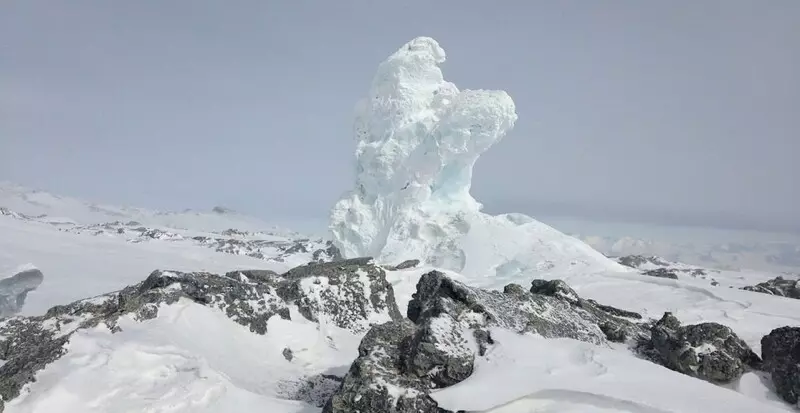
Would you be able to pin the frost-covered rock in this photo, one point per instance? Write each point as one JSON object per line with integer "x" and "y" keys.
{"x": 417, "y": 139}
{"x": 450, "y": 325}
{"x": 709, "y": 351}
{"x": 352, "y": 295}
{"x": 778, "y": 286}
{"x": 780, "y": 350}
{"x": 14, "y": 290}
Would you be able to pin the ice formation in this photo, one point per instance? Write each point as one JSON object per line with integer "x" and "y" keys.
{"x": 418, "y": 137}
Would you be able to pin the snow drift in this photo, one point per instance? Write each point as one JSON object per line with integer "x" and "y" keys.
{"x": 417, "y": 140}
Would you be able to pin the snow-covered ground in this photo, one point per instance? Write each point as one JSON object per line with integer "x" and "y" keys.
{"x": 193, "y": 357}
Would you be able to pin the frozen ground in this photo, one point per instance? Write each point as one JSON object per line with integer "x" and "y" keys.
{"x": 194, "y": 358}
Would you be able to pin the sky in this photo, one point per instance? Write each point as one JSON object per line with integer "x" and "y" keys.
{"x": 667, "y": 112}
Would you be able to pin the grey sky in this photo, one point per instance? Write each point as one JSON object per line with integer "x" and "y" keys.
{"x": 682, "y": 112}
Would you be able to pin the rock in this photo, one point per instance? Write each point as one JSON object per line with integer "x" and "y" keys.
{"x": 661, "y": 273}
{"x": 337, "y": 290}
{"x": 709, "y": 351}
{"x": 288, "y": 354}
{"x": 14, "y": 290}
{"x": 314, "y": 390}
{"x": 636, "y": 261}
{"x": 233, "y": 232}
{"x": 780, "y": 350}
{"x": 403, "y": 265}
{"x": 328, "y": 253}
{"x": 449, "y": 325}
{"x": 666, "y": 270}
{"x": 777, "y": 286}
{"x": 221, "y": 210}
{"x": 376, "y": 381}
{"x": 350, "y": 294}
{"x": 26, "y": 347}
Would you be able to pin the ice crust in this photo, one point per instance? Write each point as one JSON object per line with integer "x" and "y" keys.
{"x": 417, "y": 139}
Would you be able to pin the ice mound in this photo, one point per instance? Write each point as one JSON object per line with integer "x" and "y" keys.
{"x": 417, "y": 139}
{"x": 15, "y": 288}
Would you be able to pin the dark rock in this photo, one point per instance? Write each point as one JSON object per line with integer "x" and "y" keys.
{"x": 26, "y": 347}
{"x": 14, "y": 290}
{"x": 329, "y": 253}
{"x": 288, "y": 354}
{"x": 221, "y": 210}
{"x": 339, "y": 292}
{"x": 554, "y": 288}
{"x": 777, "y": 286}
{"x": 661, "y": 273}
{"x": 403, "y": 265}
{"x": 258, "y": 276}
{"x": 780, "y": 350}
{"x": 314, "y": 390}
{"x": 515, "y": 290}
{"x": 230, "y": 232}
{"x": 636, "y": 261}
{"x": 709, "y": 351}
{"x": 299, "y": 246}
{"x": 399, "y": 363}
{"x": 376, "y": 382}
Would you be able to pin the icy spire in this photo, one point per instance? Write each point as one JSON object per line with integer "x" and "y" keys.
{"x": 417, "y": 140}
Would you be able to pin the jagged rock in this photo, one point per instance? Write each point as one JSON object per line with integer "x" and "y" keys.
{"x": 780, "y": 350}
{"x": 376, "y": 381}
{"x": 661, "y": 273}
{"x": 450, "y": 325}
{"x": 221, "y": 210}
{"x": 288, "y": 354}
{"x": 329, "y": 253}
{"x": 709, "y": 351}
{"x": 349, "y": 294}
{"x": 14, "y": 290}
{"x": 336, "y": 289}
{"x": 777, "y": 286}
{"x": 233, "y": 232}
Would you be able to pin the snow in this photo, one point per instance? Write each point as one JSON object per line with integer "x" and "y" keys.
{"x": 67, "y": 211}
{"x": 417, "y": 140}
{"x": 190, "y": 358}
{"x": 194, "y": 358}
{"x": 76, "y": 266}
{"x": 578, "y": 377}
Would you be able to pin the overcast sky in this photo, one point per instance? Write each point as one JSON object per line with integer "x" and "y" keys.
{"x": 672, "y": 111}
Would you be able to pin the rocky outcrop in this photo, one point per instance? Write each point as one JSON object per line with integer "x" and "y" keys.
{"x": 780, "y": 350}
{"x": 351, "y": 294}
{"x": 14, "y": 290}
{"x": 636, "y": 261}
{"x": 230, "y": 241}
{"x": 664, "y": 269}
{"x": 661, "y": 273}
{"x": 709, "y": 351}
{"x": 449, "y": 325}
{"x": 777, "y": 286}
